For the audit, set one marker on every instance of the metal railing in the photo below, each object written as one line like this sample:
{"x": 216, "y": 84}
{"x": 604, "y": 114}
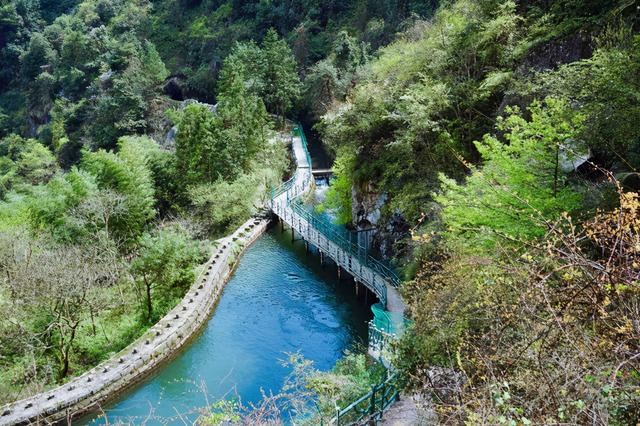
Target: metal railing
{"x": 299, "y": 131}
{"x": 371, "y": 406}
{"x": 379, "y": 339}
{"x": 325, "y": 237}
{"x": 327, "y": 229}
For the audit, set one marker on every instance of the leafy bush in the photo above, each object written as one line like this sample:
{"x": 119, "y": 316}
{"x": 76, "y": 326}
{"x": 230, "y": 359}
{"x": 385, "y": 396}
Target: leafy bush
{"x": 338, "y": 196}
{"x": 521, "y": 185}
{"x": 164, "y": 268}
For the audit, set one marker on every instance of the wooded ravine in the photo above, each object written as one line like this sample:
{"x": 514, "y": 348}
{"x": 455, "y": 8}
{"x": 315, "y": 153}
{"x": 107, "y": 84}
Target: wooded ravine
{"x": 488, "y": 149}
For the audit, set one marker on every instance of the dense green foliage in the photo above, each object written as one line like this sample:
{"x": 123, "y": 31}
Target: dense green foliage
{"x": 338, "y": 197}
{"x": 437, "y": 89}
{"x": 163, "y": 266}
{"x": 195, "y": 37}
{"x": 104, "y": 224}
{"x": 521, "y": 185}
{"x": 92, "y": 70}
{"x": 24, "y": 162}
{"x": 351, "y": 377}
{"x": 500, "y": 140}
{"x": 503, "y": 135}
{"x": 269, "y": 72}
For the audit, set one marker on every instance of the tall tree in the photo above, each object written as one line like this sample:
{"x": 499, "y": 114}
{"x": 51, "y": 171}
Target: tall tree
{"x": 55, "y": 289}
{"x": 39, "y": 56}
{"x": 196, "y": 142}
{"x": 322, "y": 88}
{"x": 128, "y": 174}
{"x": 521, "y": 185}
{"x": 164, "y": 266}
{"x": 244, "y": 118}
{"x": 281, "y": 81}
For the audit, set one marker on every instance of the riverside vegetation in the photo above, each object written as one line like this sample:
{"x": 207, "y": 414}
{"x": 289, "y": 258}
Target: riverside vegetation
{"x": 500, "y": 138}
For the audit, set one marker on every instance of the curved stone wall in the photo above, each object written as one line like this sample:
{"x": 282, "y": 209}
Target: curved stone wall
{"x": 163, "y": 340}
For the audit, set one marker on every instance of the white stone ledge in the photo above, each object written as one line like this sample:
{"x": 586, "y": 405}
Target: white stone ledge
{"x": 157, "y": 345}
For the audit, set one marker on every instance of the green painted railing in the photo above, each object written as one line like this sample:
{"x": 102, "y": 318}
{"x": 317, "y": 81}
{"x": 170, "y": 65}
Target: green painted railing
{"x": 371, "y": 406}
{"x": 299, "y": 131}
{"x": 379, "y": 339}
{"x": 389, "y": 322}
{"x": 326, "y": 228}
{"x": 283, "y": 187}
{"x": 329, "y": 232}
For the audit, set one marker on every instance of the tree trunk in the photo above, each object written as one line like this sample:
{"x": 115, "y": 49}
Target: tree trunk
{"x": 149, "y": 304}
{"x": 281, "y": 111}
{"x": 555, "y": 172}
{"x": 64, "y": 370}
{"x": 64, "y": 353}
{"x": 93, "y": 320}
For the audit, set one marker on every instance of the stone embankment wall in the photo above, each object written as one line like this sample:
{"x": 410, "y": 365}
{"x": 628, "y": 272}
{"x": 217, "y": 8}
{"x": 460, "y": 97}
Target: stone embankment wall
{"x": 159, "y": 343}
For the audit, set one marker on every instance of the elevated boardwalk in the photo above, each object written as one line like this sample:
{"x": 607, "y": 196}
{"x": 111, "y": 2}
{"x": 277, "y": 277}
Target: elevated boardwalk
{"x": 348, "y": 256}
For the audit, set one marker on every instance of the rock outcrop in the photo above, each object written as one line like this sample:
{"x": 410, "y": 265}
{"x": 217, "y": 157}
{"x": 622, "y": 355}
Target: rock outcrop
{"x": 367, "y": 213}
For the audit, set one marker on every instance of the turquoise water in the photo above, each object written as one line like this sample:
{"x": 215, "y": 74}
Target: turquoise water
{"x": 280, "y": 300}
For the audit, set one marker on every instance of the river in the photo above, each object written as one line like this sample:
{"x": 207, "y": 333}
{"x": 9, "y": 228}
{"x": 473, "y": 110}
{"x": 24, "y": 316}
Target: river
{"x": 280, "y": 300}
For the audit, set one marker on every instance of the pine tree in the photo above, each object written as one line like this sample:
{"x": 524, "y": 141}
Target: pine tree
{"x": 195, "y": 146}
{"x": 281, "y": 80}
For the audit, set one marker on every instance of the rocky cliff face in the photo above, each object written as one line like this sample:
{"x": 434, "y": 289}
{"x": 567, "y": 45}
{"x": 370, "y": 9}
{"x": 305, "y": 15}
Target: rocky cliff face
{"x": 368, "y": 205}
{"x": 394, "y": 230}
{"x": 547, "y": 57}
{"x": 367, "y": 213}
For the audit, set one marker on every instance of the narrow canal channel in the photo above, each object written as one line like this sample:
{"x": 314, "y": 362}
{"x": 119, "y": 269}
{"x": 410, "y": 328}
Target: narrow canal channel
{"x": 280, "y": 300}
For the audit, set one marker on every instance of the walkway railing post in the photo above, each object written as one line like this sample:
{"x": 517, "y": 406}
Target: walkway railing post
{"x": 372, "y": 407}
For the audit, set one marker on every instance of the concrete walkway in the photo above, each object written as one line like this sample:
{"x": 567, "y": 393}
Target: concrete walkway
{"x": 409, "y": 411}
{"x": 394, "y": 300}
{"x": 299, "y": 153}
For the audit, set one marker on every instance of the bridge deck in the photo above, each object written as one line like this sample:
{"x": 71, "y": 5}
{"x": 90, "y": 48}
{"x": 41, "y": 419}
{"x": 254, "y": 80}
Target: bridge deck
{"x": 322, "y": 172}
{"x": 299, "y": 153}
{"x": 281, "y": 206}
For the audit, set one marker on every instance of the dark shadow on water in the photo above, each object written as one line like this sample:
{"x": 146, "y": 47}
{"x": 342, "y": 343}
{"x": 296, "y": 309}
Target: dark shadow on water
{"x": 321, "y": 158}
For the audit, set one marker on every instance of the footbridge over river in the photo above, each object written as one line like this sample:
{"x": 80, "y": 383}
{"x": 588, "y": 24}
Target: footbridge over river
{"x": 349, "y": 256}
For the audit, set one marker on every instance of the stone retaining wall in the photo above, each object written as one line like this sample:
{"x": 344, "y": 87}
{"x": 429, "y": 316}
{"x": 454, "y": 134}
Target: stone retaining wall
{"x": 158, "y": 344}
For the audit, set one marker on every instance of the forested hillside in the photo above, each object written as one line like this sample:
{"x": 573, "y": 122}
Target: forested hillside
{"x": 106, "y": 212}
{"x": 501, "y": 141}
{"x": 493, "y": 145}
{"x": 132, "y": 133}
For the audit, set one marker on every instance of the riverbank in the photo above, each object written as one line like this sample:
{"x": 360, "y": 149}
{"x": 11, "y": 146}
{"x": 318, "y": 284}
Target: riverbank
{"x": 280, "y": 301}
{"x": 162, "y": 341}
